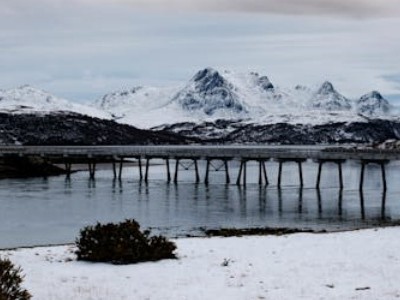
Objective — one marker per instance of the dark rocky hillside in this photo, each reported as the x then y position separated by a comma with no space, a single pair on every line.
372,131
75,129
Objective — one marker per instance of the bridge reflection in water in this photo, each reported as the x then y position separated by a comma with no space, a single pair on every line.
53,210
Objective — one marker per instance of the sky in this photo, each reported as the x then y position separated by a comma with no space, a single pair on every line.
82,49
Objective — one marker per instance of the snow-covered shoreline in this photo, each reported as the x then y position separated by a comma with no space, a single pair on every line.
348,265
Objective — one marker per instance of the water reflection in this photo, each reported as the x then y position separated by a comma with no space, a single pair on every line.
383,206
52,210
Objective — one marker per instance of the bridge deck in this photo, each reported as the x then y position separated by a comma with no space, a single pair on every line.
298,154
235,152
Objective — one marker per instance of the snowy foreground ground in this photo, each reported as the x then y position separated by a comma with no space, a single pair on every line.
350,265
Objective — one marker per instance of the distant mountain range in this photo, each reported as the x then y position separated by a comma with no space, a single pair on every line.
211,95
208,96
227,107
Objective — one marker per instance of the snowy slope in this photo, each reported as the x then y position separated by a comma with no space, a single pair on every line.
373,105
142,106
210,92
327,98
212,95
26,99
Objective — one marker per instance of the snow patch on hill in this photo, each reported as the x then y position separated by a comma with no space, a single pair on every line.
27,99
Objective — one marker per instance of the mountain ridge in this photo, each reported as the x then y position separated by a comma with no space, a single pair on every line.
208,96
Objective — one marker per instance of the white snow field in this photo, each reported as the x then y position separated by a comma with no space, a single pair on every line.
348,265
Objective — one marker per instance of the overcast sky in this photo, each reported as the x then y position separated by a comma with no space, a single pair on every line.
81,49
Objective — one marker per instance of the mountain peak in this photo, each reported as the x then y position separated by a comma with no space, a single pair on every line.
373,94
373,104
209,91
208,79
327,98
265,83
326,88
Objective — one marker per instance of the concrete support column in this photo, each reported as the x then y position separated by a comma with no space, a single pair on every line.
92,169
382,164
146,175
341,185
339,163
121,165
265,173
68,166
227,177
280,174
299,163
239,178
114,169
383,177
168,170
244,172
196,170
140,169
176,170
207,171
262,173
320,163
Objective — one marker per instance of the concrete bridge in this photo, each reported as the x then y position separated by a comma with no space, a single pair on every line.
117,155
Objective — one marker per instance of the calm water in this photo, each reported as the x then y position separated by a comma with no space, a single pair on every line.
51,211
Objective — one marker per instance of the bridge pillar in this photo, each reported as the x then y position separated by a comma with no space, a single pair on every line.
224,165
168,170
196,169
339,163
382,163
176,170
262,173
207,171
242,176
121,165
299,162
92,169
194,163
68,166
240,173
140,168
146,175
227,177
114,169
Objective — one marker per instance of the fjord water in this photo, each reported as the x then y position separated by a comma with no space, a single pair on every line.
43,211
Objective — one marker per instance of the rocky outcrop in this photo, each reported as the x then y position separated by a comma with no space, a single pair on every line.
75,129
209,92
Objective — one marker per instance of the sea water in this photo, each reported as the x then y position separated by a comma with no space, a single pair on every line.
44,211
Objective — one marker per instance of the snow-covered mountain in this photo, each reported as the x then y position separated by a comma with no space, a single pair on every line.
215,106
373,105
208,91
27,99
327,98
212,95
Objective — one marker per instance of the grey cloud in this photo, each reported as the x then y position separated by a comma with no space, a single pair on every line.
347,8
352,8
